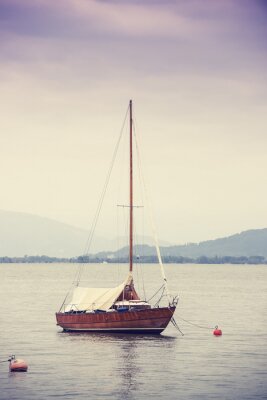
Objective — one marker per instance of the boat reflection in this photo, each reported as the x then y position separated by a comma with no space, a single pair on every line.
126,354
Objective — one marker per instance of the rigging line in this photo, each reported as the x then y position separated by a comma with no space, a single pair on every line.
117,220
142,202
153,225
176,325
121,242
141,263
68,292
135,256
162,286
137,274
125,224
192,323
63,304
90,237
122,163
161,296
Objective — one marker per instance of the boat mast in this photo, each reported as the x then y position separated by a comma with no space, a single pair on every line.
131,192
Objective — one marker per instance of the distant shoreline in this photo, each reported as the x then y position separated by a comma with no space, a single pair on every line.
241,260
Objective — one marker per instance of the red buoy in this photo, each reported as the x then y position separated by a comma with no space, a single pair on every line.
217,331
17,365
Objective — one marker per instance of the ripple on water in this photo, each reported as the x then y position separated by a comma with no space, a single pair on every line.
81,366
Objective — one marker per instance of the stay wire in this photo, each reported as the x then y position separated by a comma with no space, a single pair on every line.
162,295
94,223
162,286
142,198
153,227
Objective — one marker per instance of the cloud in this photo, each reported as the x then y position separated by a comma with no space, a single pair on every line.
167,36
197,70
78,44
170,19
131,19
81,17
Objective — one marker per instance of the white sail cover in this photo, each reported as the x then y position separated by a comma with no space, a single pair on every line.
90,299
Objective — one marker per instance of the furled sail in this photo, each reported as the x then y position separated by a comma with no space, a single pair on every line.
89,299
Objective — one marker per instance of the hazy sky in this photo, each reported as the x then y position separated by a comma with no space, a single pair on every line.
197,73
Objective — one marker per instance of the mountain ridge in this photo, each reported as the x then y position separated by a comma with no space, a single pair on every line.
28,234
252,242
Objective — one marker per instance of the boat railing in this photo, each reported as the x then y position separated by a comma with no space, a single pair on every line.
74,308
96,307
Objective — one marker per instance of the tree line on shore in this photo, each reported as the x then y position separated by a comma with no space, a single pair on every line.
138,259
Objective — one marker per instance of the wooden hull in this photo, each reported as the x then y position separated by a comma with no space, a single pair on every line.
152,321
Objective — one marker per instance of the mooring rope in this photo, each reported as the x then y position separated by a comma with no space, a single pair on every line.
198,326
176,326
191,323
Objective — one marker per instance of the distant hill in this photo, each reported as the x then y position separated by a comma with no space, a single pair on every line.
248,243
26,234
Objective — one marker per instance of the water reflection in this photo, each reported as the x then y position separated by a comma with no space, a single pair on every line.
131,366
17,377
113,366
127,366
110,337
125,357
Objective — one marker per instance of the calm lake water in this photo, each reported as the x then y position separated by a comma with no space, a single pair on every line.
197,365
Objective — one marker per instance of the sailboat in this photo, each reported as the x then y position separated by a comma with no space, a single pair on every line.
117,309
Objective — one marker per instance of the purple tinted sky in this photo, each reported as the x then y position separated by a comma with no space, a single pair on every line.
197,73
